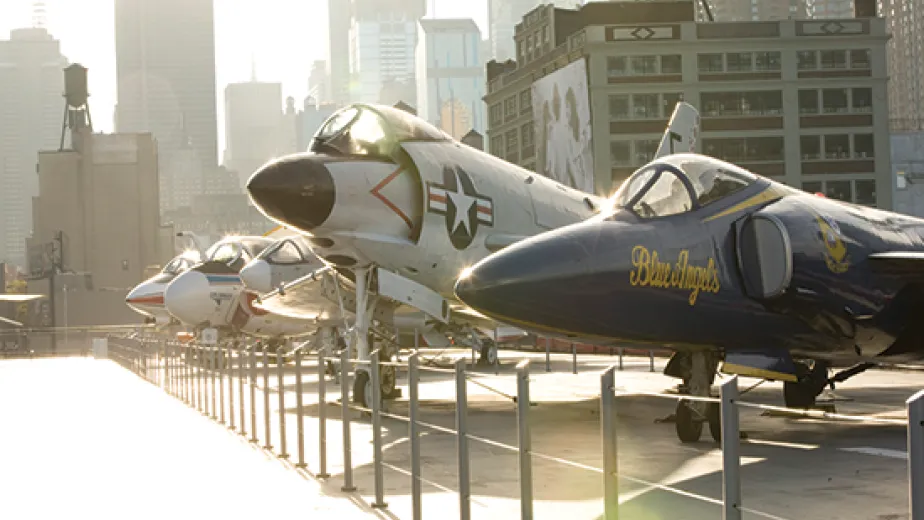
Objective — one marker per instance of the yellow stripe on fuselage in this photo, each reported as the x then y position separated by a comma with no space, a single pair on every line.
767,195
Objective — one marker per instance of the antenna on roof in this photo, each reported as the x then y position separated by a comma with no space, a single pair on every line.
39,18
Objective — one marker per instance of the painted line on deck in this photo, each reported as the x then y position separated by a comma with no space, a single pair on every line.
879,452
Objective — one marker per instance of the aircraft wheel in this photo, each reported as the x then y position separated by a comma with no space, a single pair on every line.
362,389
689,428
799,394
488,354
714,417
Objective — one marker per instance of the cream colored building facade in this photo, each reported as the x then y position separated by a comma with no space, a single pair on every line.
804,102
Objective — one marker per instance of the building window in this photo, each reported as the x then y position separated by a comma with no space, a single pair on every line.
497,145
862,99
739,61
526,101
644,65
810,147
619,106
671,64
865,191
669,103
619,153
859,59
839,190
812,187
709,63
834,59
837,146
510,107
768,60
758,102
806,60
834,100
645,151
616,66
497,114
646,106
527,132
808,101
863,146
512,143
743,149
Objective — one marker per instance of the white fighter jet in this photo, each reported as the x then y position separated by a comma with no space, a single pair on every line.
404,208
147,298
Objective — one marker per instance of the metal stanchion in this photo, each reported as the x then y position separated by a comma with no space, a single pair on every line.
280,366
345,420
525,441
608,430
212,371
413,377
241,379
165,382
230,370
573,358
379,477
184,369
267,429
299,414
322,404
622,352
916,455
651,361
253,394
731,460
548,355
221,384
465,506
200,380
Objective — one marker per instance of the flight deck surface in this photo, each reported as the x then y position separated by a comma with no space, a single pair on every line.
86,435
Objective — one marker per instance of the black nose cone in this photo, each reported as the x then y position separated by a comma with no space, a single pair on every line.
297,191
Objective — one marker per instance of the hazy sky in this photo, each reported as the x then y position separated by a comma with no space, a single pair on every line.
284,36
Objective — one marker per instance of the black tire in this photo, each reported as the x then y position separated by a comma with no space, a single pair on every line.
488,355
714,418
361,386
388,380
688,428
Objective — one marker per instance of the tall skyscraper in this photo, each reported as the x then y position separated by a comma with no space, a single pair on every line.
338,57
504,15
319,82
905,22
165,67
31,112
253,126
450,75
383,42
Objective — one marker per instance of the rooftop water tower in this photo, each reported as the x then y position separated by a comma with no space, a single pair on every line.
76,107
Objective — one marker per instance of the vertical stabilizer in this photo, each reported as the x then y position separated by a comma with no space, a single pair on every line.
682,131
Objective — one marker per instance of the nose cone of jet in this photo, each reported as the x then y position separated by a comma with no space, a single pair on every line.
257,276
146,298
297,190
187,297
540,284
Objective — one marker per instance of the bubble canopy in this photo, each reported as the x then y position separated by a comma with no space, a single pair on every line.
371,131
679,183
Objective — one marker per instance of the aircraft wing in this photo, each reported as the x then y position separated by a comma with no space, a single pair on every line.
901,263
301,298
20,298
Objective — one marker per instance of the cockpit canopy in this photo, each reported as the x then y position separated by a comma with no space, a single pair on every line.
181,263
234,251
293,250
680,183
371,131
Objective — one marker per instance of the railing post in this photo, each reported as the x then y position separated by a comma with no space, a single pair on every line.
731,460
465,507
622,352
280,367
241,381
230,370
299,414
253,394
379,477
187,379
916,455
548,355
221,383
525,441
212,370
651,361
166,378
413,377
200,383
608,430
322,406
345,420
573,358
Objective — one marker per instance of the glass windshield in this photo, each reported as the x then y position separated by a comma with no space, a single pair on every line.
372,131
224,252
667,195
285,252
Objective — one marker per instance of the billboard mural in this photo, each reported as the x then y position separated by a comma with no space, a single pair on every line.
561,112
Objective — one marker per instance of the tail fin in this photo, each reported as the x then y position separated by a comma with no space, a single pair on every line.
682,131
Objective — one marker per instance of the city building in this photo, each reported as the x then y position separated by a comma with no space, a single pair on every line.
31,106
800,101
819,9
338,49
213,216
905,24
165,73
253,126
504,15
908,168
758,10
309,120
383,41
450,75
319,82
102,196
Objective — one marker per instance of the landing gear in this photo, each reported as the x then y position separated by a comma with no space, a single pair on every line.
691,415
488,353
811,382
